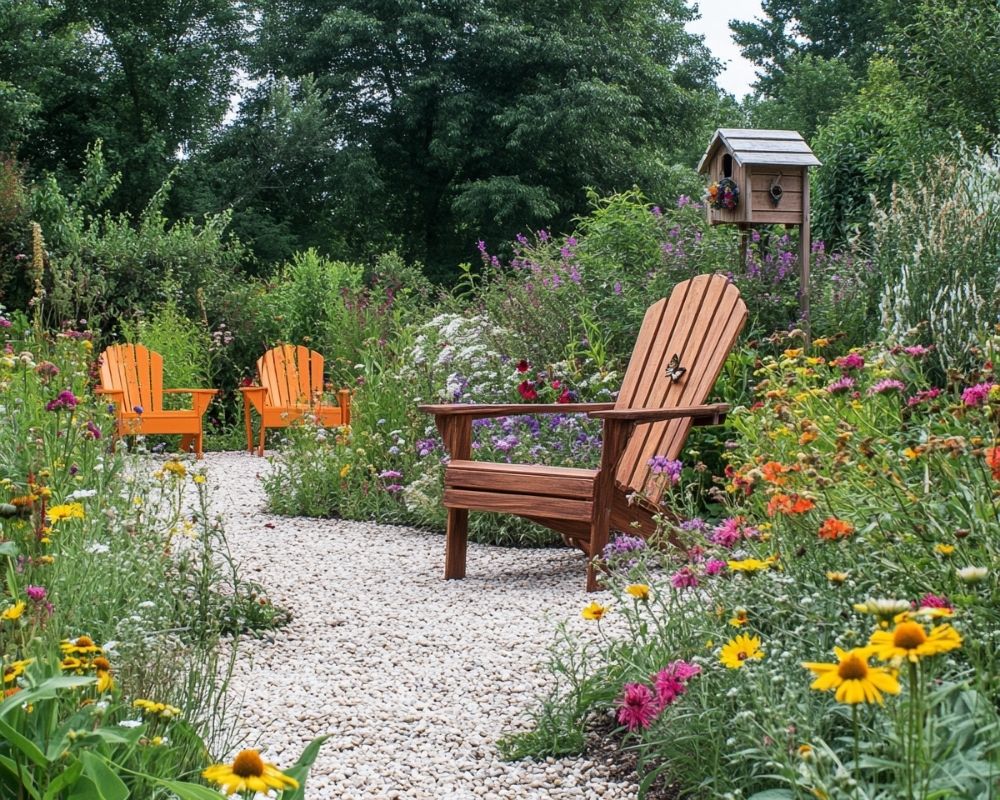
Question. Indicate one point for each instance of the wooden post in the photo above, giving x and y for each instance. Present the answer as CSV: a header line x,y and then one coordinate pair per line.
x,y
744,246
805,248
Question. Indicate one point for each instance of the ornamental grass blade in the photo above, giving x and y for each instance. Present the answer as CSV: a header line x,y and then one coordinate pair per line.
x,y
300,770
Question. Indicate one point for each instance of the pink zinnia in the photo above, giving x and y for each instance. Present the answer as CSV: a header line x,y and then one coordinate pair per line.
x,y
976,395
916,350
684,578
637,707
887,385
715,566
842,385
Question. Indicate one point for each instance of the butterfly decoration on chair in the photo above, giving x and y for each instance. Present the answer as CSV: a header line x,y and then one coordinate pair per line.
x,y
674,369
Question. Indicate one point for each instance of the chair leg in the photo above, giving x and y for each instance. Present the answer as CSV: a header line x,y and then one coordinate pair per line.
x,y
599,531
455,543
188,440
263,431
199,441
248,425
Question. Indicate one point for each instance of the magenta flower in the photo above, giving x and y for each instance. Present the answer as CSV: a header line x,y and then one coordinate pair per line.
x,y
92,430
728,532
850,361
917,350
923,396
684,578
934,601
670,682
840,386
65,399
976,395
885,386
36,594
715,566
637,707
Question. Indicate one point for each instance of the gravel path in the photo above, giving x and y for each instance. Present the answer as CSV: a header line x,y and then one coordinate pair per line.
x,y
414,677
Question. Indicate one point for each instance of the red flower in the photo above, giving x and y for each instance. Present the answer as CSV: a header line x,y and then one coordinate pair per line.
x,y
527,390
789,504
522,366
565,397
246,382
993,461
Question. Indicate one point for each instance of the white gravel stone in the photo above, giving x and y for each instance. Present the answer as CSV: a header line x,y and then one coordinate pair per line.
x,y
413,677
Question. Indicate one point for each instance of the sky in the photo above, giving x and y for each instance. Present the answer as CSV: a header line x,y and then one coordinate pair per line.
x,y
738,73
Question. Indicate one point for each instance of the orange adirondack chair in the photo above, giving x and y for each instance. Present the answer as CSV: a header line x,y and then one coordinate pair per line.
x,y
681,347
291,384
132,377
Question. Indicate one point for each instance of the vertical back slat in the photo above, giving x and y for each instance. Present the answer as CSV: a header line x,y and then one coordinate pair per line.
x,y
269,376
302,377
131,376
145,391
316,364
155,366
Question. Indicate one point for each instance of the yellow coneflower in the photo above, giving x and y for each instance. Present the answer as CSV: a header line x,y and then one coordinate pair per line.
x,y
740,650
852,679
249,773
910,642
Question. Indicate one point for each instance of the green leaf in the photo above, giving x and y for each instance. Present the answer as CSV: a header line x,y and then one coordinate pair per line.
x,y
300,770
65,779
98,782
773,794
22,779
8,549
188,791
27,747
45,690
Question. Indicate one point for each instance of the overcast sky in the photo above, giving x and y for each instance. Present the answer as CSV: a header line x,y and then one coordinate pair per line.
x,y
737,72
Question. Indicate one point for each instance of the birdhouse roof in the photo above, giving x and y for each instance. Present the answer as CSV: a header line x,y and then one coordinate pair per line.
x,y
753,146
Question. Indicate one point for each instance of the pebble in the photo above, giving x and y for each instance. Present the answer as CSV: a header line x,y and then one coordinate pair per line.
x,y
413,677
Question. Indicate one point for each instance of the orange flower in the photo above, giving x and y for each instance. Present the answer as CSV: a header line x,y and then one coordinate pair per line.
x,y
789,504
773,472
993,461
833,529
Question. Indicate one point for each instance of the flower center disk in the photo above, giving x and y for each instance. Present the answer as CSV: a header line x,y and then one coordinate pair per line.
x,y
852,669
909,636
248,764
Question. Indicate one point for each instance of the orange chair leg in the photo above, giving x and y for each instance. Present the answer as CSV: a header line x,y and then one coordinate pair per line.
x,y
455,543
199,445
187,442
263,431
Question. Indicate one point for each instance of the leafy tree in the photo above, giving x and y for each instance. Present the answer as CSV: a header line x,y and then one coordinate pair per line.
x,y
149,77
849,30
473,119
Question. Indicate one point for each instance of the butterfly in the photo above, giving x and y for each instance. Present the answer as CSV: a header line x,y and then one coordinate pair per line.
x,y
674,369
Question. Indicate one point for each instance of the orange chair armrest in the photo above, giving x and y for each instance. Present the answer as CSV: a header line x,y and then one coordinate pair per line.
x,y
707,414
484,410
101,390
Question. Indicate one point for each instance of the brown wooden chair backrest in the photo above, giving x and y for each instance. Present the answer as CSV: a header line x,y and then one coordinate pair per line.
x,y
138,372
292,375
699,323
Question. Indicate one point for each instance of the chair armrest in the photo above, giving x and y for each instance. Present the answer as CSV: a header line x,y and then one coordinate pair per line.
x,y
112,392
190,391
484,410
710,414
255,396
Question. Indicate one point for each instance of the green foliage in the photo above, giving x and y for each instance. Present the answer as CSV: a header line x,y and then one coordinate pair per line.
x,y
936,247
879,138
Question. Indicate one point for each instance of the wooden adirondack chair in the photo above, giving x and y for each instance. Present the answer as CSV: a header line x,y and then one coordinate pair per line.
x,y
681,347
132,377
291,384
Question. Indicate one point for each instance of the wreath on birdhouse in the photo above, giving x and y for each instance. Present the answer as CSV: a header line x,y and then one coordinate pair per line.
x,y
724,194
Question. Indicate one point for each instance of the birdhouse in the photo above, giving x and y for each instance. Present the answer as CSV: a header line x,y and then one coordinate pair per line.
x,y
760,177
757,177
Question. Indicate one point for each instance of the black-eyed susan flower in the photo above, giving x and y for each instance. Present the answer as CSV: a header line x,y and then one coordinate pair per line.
x,y
910,642
740,650
249,773
82,645
740,618
836,578
853,680
594,611
13,670
640,591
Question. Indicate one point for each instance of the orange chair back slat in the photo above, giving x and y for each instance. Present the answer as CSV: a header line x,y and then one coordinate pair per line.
x,y
699,324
